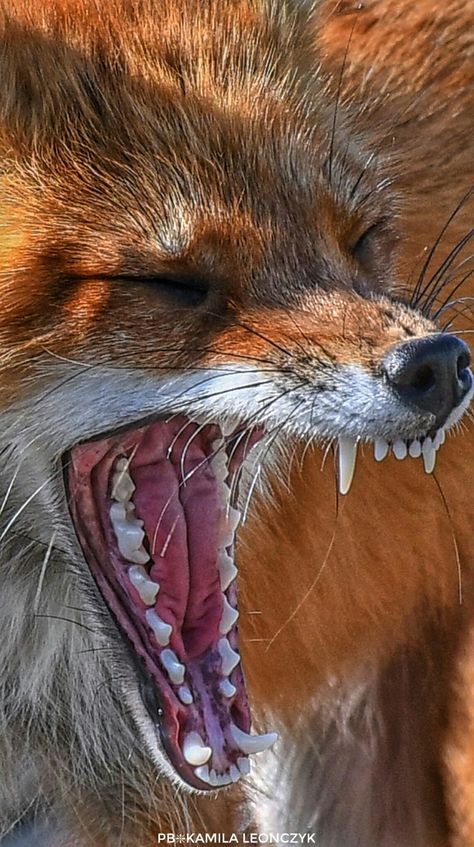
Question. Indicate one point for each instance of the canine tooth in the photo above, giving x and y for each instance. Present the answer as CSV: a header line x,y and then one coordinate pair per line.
x,y
252,743
380,449
227,570
439,439
194,750
185,695
173,667
230,659
229,617
415,449
347,463
234,773
146,588
226,688
399,449
162,630
122,486
429,455
202,773
244,765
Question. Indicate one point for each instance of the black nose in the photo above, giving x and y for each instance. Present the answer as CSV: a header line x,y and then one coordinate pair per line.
x,y
430,373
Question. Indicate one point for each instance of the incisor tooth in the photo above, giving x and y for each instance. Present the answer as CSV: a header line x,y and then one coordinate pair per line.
x,y
380,449
347,463
399,449
244,765
439,438
202,773
415,449
429,455
229,617
234,773
194,750
230,659
252,743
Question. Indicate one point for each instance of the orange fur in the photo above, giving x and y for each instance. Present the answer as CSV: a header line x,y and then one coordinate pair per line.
x,y
327,585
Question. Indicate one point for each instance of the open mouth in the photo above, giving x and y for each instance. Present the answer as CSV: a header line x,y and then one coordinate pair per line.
x,y
154,511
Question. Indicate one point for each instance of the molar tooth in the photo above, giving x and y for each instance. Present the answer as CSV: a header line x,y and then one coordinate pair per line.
x,y
244,765
194,750
380,449
129,541
415,449
227,570
226,688
252,743
234,773
227,428
399,448
139,557
161,630
122,486
202,773
173,666
230,659
219,467
185,695
229,617
429,455
146,588
347,463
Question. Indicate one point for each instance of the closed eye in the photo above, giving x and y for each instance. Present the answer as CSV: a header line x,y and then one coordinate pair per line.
x,y
363,248
182,291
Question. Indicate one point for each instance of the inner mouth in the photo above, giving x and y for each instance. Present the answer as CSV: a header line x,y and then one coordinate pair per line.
x,y
154,511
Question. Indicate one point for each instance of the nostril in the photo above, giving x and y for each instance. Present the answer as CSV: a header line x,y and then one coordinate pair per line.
x,y
431,374
464,360
424,378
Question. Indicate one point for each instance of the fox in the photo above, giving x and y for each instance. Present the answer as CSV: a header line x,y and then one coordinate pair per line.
x,y
235,500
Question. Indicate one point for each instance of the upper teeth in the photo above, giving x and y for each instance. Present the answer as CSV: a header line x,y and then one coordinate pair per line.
x,y
128,529
347,463
401,449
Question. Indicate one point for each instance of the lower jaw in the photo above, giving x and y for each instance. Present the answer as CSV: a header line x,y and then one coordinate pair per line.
x,y
152,511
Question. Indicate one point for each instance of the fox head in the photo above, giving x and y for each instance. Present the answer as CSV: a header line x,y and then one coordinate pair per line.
x,y
197,270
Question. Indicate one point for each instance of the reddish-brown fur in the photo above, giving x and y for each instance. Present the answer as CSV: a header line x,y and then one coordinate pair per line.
x,y
337,584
